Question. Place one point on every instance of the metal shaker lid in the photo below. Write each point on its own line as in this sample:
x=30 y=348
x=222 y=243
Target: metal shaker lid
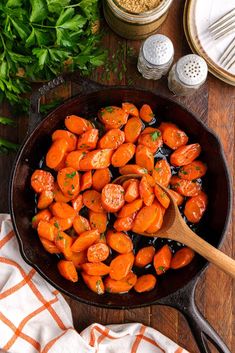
x=191 y=69
x=158 y=49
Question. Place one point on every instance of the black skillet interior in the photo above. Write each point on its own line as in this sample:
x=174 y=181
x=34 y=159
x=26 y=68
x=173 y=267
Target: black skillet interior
x=22 y=200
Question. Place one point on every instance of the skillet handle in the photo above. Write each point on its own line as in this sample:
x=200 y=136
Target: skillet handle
x=184 y=301
x=85 y=86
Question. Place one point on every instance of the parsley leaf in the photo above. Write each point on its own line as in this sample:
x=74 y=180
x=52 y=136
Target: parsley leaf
x=155 y=135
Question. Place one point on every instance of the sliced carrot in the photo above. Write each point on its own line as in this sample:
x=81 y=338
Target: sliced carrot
x=185 y=154
x=84 y=240
x=73 y=159
x=119 y=242
x=98 y=221
x=92 y=200
x=164 y=125
x=41 y=181
x=95 y=269
x=100 y=178
x=94 y=283
x=158 y=220
x=152 y=140
x=123 y=154
x=112 y=197
x=132 y=169
x=77 y=125
x=173 y=137
x=145 y=283
x=132 y=129
x=81 y=224
x=68 y=180
x=132 y=190
x=179 y=199
x=62 y=223
x=45 y=199
x=195 y=207
x=77 y=258
x=144 y=158
x=144 y=256
x=182 y=258
x=68 y=136
x=146 y=191
x=149 y=130
x=86 y=181
x=144 y=218
x=56 y=153
x=97 y=159
x=62 y=210
x=161 y=196
x=68 y=270
x=98 y=252
x=192 y=171
x=121 y=265
x=130 y=208
x=146 y=113
x=88 y=140
x=63 y=242
x=162 y=172
x=185 y=187
x=112 y=117
x=121 y=286
x=124 y=224
x=77 y=203
x=58 y=194
x=44 y=215
x=49 y=246
x=162 y=260
x=62 y=164
x=112 y=139
x=46 y=230
x=130 y=109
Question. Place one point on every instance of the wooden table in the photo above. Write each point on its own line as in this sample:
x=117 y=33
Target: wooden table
x=215 y=104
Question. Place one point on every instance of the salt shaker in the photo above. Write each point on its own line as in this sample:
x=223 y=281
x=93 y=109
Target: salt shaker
x=187 y=75
x=155 y=56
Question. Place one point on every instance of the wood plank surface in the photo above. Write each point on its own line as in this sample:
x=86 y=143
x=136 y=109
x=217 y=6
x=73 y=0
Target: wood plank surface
x=214 y=103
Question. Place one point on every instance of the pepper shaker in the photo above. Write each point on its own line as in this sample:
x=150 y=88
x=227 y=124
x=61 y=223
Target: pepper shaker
x=187 y=75
x=155 y=56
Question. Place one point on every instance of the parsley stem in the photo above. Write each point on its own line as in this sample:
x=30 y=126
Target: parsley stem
x=3 y=42
x=43 y=26
x=71 y=6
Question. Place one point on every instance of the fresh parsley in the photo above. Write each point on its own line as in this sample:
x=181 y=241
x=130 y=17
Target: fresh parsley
x=155 y=135
x=70 y=175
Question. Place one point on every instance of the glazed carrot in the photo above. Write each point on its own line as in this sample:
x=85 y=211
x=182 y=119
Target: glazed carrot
x=182 y=258
x=124 y=224
x=92 y=200
x=63 y=242
x=146 y=113
x=49 y=246
x=112 y=139
x=121 y=265
x=145 y=283
x=122 y=286
x=112 y=197
x=77 y=125
x=185 y=187
x=68 y=136
x=123 y=154
x=112 y=117
x=144 y=218
x=132 y=190
x=130 y=109
x=179 y=199
x=46 y=230
x=132 y=169
x=62 y=223
x=94 y=283
x=173 y=137
x=73 y=159
x=77 y=203
x=144 y=256
x=192 y=171
x=85 y=240
x=41 y=180
x=161 y=196
x=144 y=158
x=98 y=252
x=119 y=242
x=81 y=224
x=195 y=207
x=43 y=215
x=158 y=220
x=98 y=221
x=67 y=270
x=132 y=129
x=58 y=194
x=130 y=208
x=86 y=181
x=146 y=191
x=95 y=269
x=162 y=260
x=62 y=164
x=88 y=140
x=162 y=172
x=62 y=210
x=97 y=159
x=77 y=258
x=100 y=178
x=56 y=153
x=149 y=130
x=164 y=125
x=152 y=140
x=68 y=180
x=185 y=154
x=45 y=199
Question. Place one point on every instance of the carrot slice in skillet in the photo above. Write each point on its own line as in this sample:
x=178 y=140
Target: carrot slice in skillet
x=68 y=270
x=49 y=246
x=81 y=224
x=100 y=178
x=131 y=188
x=59 y=196
x=145 y=283
x=162 y=260
x=92 y=200
x=174 y=137
x=77 y=203
x=63 y=242
x=130 y=109
x=98 y=252
x=124 y=224
x=73 y=159
x=179 y=199
x=144 y=218
x=162 y=172
x=144 y=256
x=182 y=258
x=121 y=265
x=122 y=286
x=132 y=129
x=46 y=230
x=130 y=208
x=62 y=210
x=56 y=153
x=68 y=136
x=62 y=223
x=195 y=207
x=123 y=154
x=45 y=199
x=86 y=181
x=112 y=139
x=94 y=283
x=185 y=154
x=192 y=171
x=43 y=215
x=185 y=187
x=88 y=140
x=98 y=221
x=85 y=240
x=119 y=242
x=146 y=191
x=112 y=197
x=161 y=196
x=69 y=181
x=112 y=117
x=97 y=159
x=77 y=258
x=132 y=169
x=41 y=180
x=152 y=140
x=158 y=219
x=95 y=269
x=144 y=157
x=146 y=113
x=77 y=125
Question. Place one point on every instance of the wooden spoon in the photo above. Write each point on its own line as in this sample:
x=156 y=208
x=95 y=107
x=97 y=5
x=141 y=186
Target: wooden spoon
x=175 y=228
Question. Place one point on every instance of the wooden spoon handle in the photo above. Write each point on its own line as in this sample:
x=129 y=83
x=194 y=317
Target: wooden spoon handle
x=208 y=251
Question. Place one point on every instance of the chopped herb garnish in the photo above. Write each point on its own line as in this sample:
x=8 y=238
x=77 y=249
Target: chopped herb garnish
x=161 y=268
x=34 y=219
x=197 y=168
x=102 y=236
x=155 y=135
x=70 y=175
x=73 y=187
x=183 y=172
x=152 y=115
x=56 y=224
x=158 y=169
x=92 y=201
x=109 y=109
x=70 y=193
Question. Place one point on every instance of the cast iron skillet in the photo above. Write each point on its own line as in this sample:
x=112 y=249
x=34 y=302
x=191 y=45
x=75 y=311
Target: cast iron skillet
x=175 y=289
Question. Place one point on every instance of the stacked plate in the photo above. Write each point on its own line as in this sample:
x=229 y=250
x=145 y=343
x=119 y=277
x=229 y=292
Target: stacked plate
x=199 y=15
